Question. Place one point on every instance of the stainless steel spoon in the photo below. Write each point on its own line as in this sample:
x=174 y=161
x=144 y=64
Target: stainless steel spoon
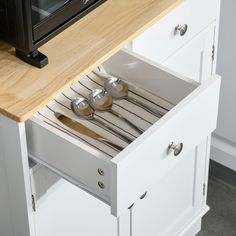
x=119 y=90
x=101 y=100
x=82 y=108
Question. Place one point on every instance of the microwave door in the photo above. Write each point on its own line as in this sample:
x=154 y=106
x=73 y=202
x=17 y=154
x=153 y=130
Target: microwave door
x=50 y=16
x=42 y=9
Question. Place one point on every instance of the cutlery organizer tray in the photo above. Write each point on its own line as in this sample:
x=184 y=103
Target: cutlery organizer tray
x=120 y=178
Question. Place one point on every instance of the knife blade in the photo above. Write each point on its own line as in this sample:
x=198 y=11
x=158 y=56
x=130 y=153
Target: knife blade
x=82 y=129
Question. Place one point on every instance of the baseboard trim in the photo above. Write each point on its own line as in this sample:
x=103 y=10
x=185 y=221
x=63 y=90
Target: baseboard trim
x=223 y=152
x=194 y=227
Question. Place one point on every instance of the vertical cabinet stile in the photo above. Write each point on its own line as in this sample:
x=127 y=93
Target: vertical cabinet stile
x=16 y=215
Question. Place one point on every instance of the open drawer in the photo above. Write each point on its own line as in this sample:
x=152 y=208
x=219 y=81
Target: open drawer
x=121 y=180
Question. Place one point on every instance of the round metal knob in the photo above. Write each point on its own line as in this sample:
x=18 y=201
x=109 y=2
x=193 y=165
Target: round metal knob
x=177 y=148
x=181 y=29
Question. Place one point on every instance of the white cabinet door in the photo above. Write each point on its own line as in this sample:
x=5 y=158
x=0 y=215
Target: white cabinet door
x=64 y=209
x=175 y=201
x=194 y=60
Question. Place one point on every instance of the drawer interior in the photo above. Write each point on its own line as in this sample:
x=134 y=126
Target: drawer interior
x=88 y=163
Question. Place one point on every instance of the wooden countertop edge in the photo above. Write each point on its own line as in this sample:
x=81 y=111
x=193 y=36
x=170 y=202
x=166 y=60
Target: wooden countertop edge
x=29 y=114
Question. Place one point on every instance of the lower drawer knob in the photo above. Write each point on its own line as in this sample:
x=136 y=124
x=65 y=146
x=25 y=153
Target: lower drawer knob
x=177 y=148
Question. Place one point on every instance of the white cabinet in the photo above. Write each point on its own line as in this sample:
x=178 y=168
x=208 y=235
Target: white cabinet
x=113 y=202
x=178 y=199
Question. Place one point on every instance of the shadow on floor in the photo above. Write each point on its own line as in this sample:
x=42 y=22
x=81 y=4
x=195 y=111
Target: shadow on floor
x=221 y=219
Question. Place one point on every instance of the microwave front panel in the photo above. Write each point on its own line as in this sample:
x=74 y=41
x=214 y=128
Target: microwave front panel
x=49 y=16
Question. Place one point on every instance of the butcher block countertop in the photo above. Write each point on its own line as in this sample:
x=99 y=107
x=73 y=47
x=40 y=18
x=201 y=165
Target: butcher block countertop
x=72 y=54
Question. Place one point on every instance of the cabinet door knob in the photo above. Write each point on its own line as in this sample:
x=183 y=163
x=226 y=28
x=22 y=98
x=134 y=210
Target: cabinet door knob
x=181 y=29
x=177 y=148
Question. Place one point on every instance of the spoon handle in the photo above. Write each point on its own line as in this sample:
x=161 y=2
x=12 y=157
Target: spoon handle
x=111 y=144
x=102 y=74
x=147 y=108
x=132 y=125
x=114 y=131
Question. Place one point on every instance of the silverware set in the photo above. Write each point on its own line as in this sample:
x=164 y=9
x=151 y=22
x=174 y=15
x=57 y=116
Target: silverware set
x=101 y=100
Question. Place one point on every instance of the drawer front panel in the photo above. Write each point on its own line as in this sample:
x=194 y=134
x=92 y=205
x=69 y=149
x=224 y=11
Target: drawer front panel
x=135 y=171
x=161 y=40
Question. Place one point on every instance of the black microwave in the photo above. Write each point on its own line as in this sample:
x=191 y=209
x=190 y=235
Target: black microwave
x=28 y=24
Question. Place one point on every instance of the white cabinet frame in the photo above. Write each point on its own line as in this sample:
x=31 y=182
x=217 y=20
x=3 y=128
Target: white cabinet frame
x=16 y=215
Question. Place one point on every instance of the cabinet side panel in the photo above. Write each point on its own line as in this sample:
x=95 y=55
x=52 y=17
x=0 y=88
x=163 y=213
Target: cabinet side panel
x=5 y=220
x=14 y=159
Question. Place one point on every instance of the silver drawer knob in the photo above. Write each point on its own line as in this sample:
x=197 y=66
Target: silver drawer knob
x=177 y=148
x=181 y=29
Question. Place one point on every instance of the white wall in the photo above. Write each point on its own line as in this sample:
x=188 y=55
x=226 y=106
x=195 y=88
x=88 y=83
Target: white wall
x=224 y=139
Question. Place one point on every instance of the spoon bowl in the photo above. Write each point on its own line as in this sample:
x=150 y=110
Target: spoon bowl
x=117 y=88
x=82 y=108
x=101 y=100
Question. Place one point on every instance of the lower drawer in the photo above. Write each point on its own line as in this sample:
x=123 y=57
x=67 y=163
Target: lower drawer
x=126 y=175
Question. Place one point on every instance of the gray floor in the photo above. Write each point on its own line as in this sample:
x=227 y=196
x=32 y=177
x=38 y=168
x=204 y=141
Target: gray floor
x=221 y=219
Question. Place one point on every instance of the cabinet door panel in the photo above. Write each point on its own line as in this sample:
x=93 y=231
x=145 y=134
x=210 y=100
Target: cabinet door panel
x=175 y=200
x=194 y=60
x=63 y=209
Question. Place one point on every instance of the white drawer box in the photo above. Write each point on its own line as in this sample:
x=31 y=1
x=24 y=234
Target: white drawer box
x=161 y=41
x=134 y=170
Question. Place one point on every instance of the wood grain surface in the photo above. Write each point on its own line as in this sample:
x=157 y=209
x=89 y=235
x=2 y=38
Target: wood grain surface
x=73 y=53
